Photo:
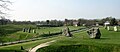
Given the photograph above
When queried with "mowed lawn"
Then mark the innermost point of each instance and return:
(14, 32)
(46, 30)
(80, 42)
(28, 45)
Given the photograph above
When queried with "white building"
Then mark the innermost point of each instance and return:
(107, 23)
(75, 23)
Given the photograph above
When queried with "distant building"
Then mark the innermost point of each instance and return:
(75, 23)
(107, 23)
(83, 24)
(119, 23)
(46, 25)
(97, 24)
(4, 21)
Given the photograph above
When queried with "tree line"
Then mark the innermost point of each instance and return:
(3, 21)
(69, 22)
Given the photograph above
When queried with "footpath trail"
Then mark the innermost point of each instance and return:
(41, 45)
(48, 43)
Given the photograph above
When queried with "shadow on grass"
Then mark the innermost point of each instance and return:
(104, 38)
(12, 50)
(80, 48)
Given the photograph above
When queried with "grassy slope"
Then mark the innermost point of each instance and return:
(11, 48)
(27, 45)
(109, 42)
(19, 35)
(13, 32)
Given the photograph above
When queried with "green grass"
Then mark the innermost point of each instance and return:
(17, 36)
(112, 28)
(14, 32)
(80, 42)
(26, 46)
(46, 30)
(23, 35)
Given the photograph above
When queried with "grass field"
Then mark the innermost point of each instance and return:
(26, 46)
(80, 42)
(22, 35)
(14, 32)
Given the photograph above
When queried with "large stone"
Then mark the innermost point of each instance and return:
(108, 28)
(22, 48)
(23, 29)
(26, 30)
(97, 24)
(115, 28)
(29, 30)
(94, 33)
(66, 32)
(34, 31)
(84, 25)
(105, 27)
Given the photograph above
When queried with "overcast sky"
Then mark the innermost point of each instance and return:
(35, 10)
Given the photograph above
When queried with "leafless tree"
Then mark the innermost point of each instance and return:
(4, 7)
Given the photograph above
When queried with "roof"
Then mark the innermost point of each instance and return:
(107, 22)
(75, 22)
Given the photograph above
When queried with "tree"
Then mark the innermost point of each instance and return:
(47, 21)
(4, 7)
(66, 21)
(113, 21)
(4, 21)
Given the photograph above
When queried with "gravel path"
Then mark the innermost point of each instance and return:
(41, 45)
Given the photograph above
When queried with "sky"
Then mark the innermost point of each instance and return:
(39, 10)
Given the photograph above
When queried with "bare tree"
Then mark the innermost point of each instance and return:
(4, 7)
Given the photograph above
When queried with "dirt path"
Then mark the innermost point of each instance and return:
(41, 45)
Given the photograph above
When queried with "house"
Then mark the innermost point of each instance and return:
(119, 23)
(83, 24)
(75, 23)
(107, 23)
(97, 24)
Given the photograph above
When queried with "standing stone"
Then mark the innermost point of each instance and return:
(23, 29)
(98, 34)
(34, 31)
(22, 48)
(108, 28)
(91, 33)
(66, 32)
(94, 33)
(29, 30)
(83, 24)
(105, 27)
(97, 24)
(115, 28)
(26, 30)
